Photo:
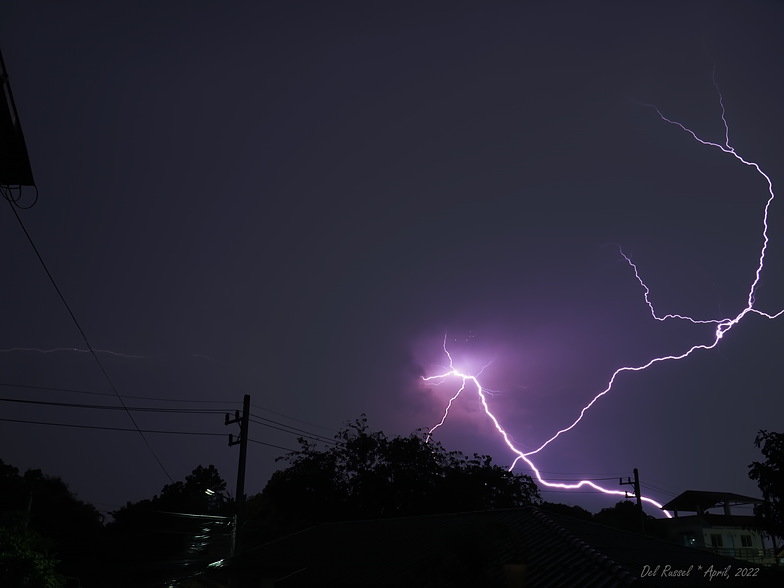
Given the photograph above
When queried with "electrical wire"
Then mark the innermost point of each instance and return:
(565, 491)
(657, 489)
(7, 193)
(610, 476)
(131, 408)
(78, 391)
(110, 407)
(77, 426)
(87, 342)
(580, 479)
(289, 417)
(294, 431)
(270, 445)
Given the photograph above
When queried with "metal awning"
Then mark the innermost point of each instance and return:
(699, 500)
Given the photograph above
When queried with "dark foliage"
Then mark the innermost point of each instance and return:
(25, 561)
(189, 496)
(624, 515)
(576, 512)
(39, 515)
(179, 530)
(769, 475)
(368, 475)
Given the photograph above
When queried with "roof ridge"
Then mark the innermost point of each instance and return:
(591, 553)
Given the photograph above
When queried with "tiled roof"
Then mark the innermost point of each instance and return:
(475, 549)
(634, 551)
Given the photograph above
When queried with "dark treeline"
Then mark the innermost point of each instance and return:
(368, 475)
(46, 534)
(50, 539)
(58, 541)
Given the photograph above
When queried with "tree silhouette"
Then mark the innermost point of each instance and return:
(576, 512)
(182, 528)
(39, 514)
(367, 475)
(769, 475)
(624, 515)
(25, 559)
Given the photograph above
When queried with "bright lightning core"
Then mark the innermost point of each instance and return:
(469, 383)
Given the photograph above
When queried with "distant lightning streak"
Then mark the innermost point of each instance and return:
(74, 349)
(77, 350)
(722, 326)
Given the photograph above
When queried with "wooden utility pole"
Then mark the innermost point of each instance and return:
(637, 494)
(242, 441)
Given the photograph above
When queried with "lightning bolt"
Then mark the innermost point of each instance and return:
(72, 349)
(722, 326)
(468, 379)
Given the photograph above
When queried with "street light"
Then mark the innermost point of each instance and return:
(210, 492)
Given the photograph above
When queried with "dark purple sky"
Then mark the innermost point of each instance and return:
(297, 200)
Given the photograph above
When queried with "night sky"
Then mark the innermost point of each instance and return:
(297, 200)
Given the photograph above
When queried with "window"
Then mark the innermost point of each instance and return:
(745, 540)
(716, 540)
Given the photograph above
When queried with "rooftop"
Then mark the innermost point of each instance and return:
(487, 548)
(700, 500)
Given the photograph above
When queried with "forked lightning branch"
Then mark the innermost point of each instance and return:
(469, 383)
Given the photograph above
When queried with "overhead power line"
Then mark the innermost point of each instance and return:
(568, 491)
(657, 489)
(86, 340)
(130, 430)
(292, 430)
(580, 479)
(271, 445)
(289, 417)
(127, 396)
(255, 418)
(78, 426)
(109, 407)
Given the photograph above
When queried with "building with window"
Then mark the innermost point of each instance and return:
(722, 532)
(524, 547)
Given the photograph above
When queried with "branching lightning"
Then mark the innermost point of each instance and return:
(467, 379)
(722, 326)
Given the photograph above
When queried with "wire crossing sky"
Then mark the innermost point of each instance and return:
(722, 327)
(73, 349)
(403, 169)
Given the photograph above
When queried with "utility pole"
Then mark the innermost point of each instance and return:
(637, 494)
(242, 441)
